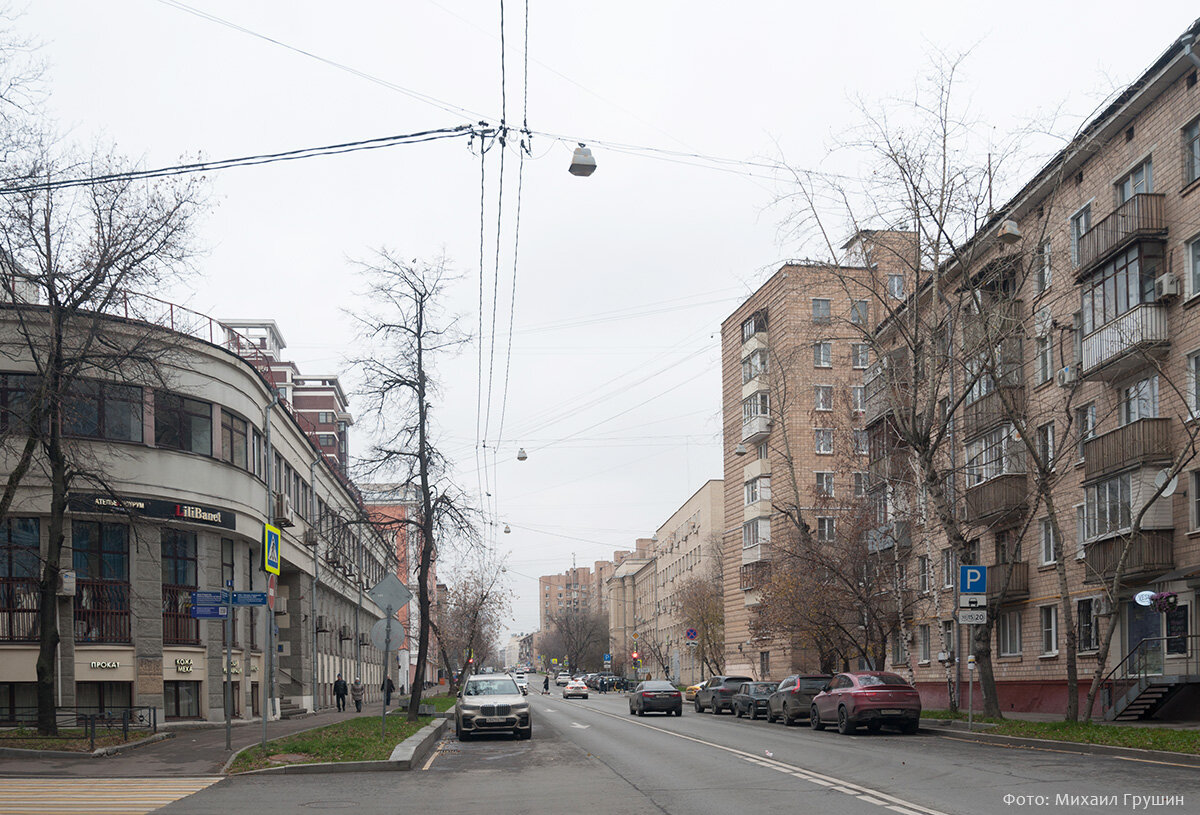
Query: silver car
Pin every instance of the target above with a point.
(491, 703)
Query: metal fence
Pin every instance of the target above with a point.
(15, 722)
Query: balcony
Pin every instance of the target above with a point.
(1146, 441)
(101, 611)
(1150, 554)
(20, 601)
(178, 626)
(1017, 576)
(1003, 318)
(984, 414)
(886, 385)
(996, 498)
(755, 575)
(895, 534)
(1117, 347)
(1142, 216)
(756, 429)
(892, 466)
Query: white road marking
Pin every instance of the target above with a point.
(580, 726)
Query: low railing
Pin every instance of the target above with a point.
(179, 628)
(1016, 575)
(997, 496)
(1150, 551)
(1148, 659)
(20, 602)
(1142, 442)
(1142, 325)
(90, 719)
(756, 427)
(1143, 215)
(989, 410)
(101, 611)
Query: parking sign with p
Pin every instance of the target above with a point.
(972, 579)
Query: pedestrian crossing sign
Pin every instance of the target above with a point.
(271, 549)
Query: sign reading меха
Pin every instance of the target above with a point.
(153, 508)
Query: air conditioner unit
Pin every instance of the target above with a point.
(1102, 606)
(281, 605)
(310, 537)
(364, 639)
(1067, 377)
(323, 623)
(1166, 285)
(284, 514)
(344, 633)
(945, 656)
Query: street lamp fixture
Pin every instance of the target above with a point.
(582, 162)
(522, 455)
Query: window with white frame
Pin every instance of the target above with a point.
(756, 531)
(1192, 256)
(821, 312)
(1139, 400)
(758, 489)
(1085, 421)
(858, 312)
(1080, 531)
(1081, 222)
(948, 635)
(1048, 617)
(972, 552)
(754, 365)
(1087, 636)
(1049, 547)
(895, 284)
(757, 405)
(823, 397)
(923, 643)
(1137, 181)
(862, 442)
(1008, 634)
(924, 574)
(1193, 384)
(1044, 356)
(1107, 506)
(825, 484)
(1045, 268)
(899, 652)
(1045, 444)
(858, 399)
(948, 570)
(763, 451)
(860, 485)
(1195, 495)
(1191, 152)
(823, 440)
(823, 354)
(860, 355)
(825, 531)
(993, 454)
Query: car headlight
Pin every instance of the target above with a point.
(470, 708)
(521, 708)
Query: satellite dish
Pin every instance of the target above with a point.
(1142, 598)
(1172, 484)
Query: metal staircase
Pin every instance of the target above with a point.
(1142, 682)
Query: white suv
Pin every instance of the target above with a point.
(562, 678)
(522, 682)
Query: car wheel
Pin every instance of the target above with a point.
(754, 713)
(844, 725)
(631, 710)
(737, 712)
(641, 711)
(770, 716)
(910, 728)
(814, 719)
(458, 729)
(679, 711)
(526, 734)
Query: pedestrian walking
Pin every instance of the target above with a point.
(339, 692)
(356, 693)
(546, 686)
(388, 687)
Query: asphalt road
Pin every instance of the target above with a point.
(592, 756)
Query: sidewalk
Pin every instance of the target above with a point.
(192, 752)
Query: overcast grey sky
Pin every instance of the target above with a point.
(624, 277)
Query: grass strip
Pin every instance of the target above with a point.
(68, 741)
(1142, 738)
(356, 739)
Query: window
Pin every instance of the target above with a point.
(1049, 547)
(178, 557)
(757, 405)
(1081, 222)
(862, 443)
(924, 574)
(993, 454)
(948, 570)
(1191, 152)
(971, 558)
(1121, 284)
(1085, 420)
(825, 530)
(327, 439)
(755, 323)
(325, 417)
(860, 355)
(823, 440)
(754, 365)
(182, 423)
(821, 310)
(103, 410)
(1138, 401)
(1139, 180)
(1107, 506)
(234, 444)
(899, 654)
(1045, 268)
(1192, 258)
(181, 700)
(895, 284)
(758, 489)
(1008, 634)
(15, 390)
(1049, 627)
(948, 635)
(100, 551)
(825, 485)
(823, 397)
(923, 643)
(762, 451)
(860, 485)
(258, 462)
(1045, 444)
(1080, 531)
(1044, 355)
(859, 311)
(1087, 637)
(823, 354)
(756, 531)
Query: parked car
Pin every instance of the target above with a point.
(575, 688)
(871, 698)
(491, 703)
(794, 696)
(690, 693)
(751, 699)
(522, 682)
(717, 693)
(655, 694)
(562, 678)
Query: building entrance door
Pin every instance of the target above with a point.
(1144, 626)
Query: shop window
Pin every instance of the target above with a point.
(181, 700)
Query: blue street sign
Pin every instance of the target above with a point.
(271, 549)
(608, 657)
(691, 633)
(249, 598)
(209, 598)
(972, 579)
(210, 612)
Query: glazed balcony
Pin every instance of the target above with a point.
(988, 412)
(996, 498)
(756, 429)
(1151, 553)
(886, 385)
(1146, 441)
(1120, 345)
(1142, 216)
(755, 575)
(1002, 319)
(1017, 575)
(895, 534)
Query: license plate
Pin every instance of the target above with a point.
(492, 719)
(891, 712)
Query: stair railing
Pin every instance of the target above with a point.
(1135, 667)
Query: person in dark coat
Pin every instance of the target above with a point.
(546, 686)
(388, 687)
(339, 692)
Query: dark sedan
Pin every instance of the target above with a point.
(871, 698)
(793, 698)
(751, 699)
(717, 693)
(655, 694)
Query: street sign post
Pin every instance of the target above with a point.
(271, 549)
(210, 612)
(691, 633)
(391, 595)
(972, 579)
(972, 616)
(972, 601)
(249, 598)
(210, 598)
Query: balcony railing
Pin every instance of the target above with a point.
(886, 385)
(998, 496)
(178, 626)
(896, 533)
(754, 575)
(1017, 575)
(758, 427)
(985, 413)
(101, 611)
(1145, 441)
(1143, 215)
(1141, 327)
(1001, 319)
(20, 601)
(1149, 553)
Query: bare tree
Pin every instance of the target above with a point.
(579, 634)
(404, 333)
(474, 609)
(702, 607)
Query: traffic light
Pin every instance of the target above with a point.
(636, 655)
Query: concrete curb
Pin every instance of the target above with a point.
(1185, 759)
(14, 752)
(405, 756)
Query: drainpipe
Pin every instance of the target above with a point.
(315, 525)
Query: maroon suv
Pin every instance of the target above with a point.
(717, 693)
(871, 698)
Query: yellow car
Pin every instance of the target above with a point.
(690, 693)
